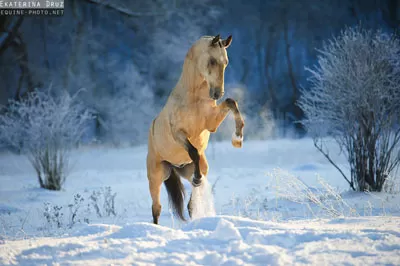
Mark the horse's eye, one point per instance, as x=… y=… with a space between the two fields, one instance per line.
x=213 y=61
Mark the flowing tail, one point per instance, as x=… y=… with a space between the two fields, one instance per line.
x=176 y=193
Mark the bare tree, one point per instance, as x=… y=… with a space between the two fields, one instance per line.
x=355 y=98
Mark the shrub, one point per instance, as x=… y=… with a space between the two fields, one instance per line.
x=45 y=127
x=355 y=98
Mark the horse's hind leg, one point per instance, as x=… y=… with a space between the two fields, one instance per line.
x=156 y=173
x=189 y=206
x=187 y=172
x=155 y=188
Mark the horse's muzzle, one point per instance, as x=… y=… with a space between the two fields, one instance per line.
x=216 y=93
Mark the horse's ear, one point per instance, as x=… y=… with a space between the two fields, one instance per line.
x=190 y=53
x=215 y=40
x=227 y=42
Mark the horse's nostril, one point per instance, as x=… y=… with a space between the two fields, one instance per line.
x=216 y=93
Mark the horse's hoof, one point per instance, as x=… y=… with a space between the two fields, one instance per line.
x=196 y=182
x=237 y=140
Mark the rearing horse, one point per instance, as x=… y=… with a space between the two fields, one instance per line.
x=178 y=136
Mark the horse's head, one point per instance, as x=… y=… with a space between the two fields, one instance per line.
x=211 y=59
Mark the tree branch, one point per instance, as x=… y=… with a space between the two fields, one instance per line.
x=335 y=165
x=9 y=34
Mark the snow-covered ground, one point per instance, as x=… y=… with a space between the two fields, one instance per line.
x=277 y=202
x=221 y=240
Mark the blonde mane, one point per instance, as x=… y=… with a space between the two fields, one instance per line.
x=191 y=79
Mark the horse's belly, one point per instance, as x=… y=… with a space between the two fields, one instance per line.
x=173 y=153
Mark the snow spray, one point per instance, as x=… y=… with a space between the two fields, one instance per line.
x=202 y=201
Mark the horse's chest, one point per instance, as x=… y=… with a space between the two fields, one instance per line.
x=193 y=121
x=200 y=141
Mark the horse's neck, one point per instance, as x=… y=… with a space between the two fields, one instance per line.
x=189 y=87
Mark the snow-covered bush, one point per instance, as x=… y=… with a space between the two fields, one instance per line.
x=56 y=216
x=103 y=202
x=355 y=97
x=80 y=210
x=286 y=197
x=45 y=127
x=392 y=185
x=74 y=210
x=322 y=201
x=53 y=215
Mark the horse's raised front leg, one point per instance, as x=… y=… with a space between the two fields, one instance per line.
x=219 y=114
x=156 y=173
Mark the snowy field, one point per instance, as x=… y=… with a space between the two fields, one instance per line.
x=277 y=202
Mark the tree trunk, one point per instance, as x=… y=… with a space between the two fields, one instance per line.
x=289 y=62
x=76 y=46
x=9 y=30
x=293 y=108
x=20 y=49
x=268 y=48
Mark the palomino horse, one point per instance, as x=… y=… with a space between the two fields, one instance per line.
x=178 y=136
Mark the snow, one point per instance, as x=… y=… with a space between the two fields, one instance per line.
x=241 y=217
x=202 y=201
x=221 y=240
